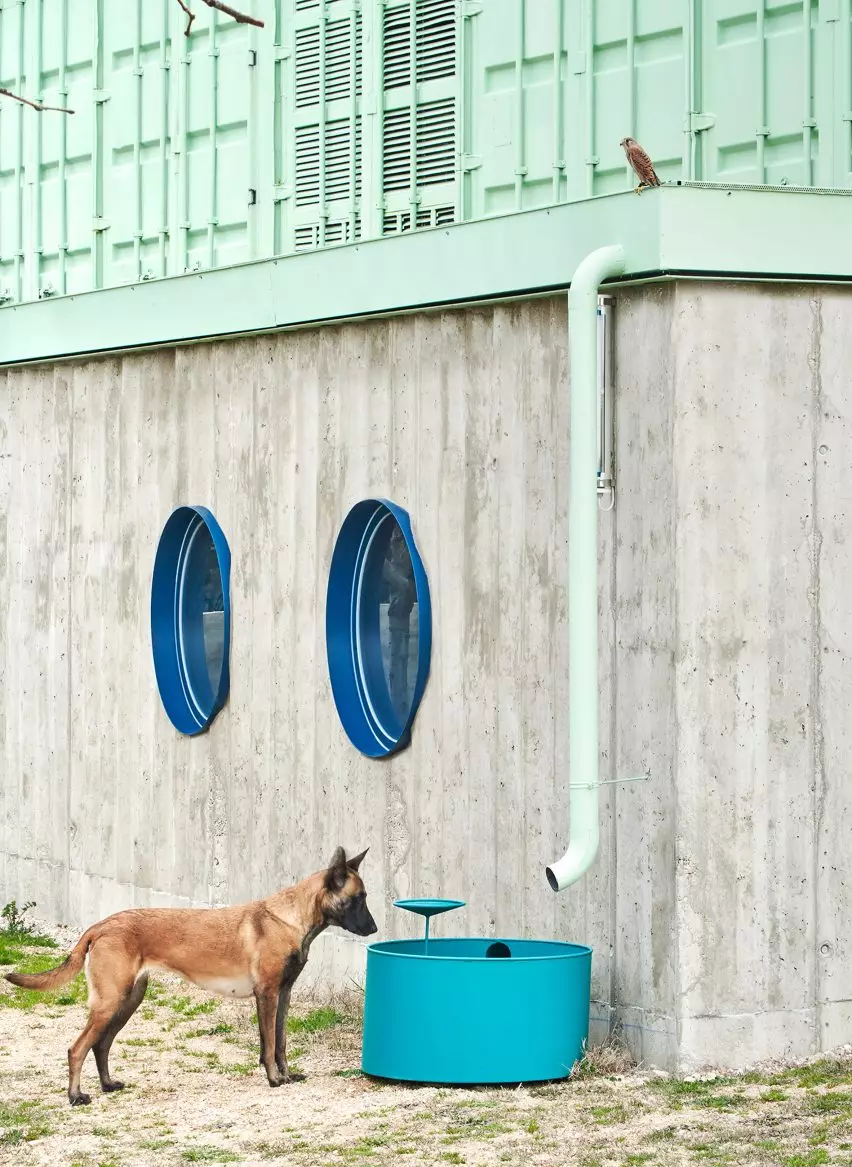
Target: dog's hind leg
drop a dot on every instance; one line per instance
(119, 1019)
(109, 989)
(101, 1013)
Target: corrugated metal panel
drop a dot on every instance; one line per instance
(347, 119)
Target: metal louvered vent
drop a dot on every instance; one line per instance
(307, 67)
(397, 224)
(306, 5)
(307, 166)
(340, 165)
(436, 142)
(397, 47)
(307, 237)
(338, 58)
(435, 43)
(435, 145)
(397, 149)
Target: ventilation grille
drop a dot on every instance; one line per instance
(434, 42)
(436, 145)
(396, 224)
(435, 48)
(397, 43)
(342, 162)
(307, 237)
(396, 158)
(338, 59)
(338, 62)
(307, 166)
(436, 142)
(340, 165)
(307, 67)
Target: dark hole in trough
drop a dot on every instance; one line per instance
(498, 948)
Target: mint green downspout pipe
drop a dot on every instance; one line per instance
(583, 568)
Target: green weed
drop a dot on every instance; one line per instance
(17, 927)
(316, 1021)
(209, 1154)
(22, 1123)
(809, 1159)
(187, 1008)
(609, 1115)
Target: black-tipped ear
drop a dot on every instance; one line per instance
(335, 877)
(358, 860)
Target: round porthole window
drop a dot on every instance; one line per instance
(191, 618)
(378, 627)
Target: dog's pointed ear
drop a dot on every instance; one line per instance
(335, 877)
(358, 860)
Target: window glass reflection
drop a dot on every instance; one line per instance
(202, 619)
(398, 623)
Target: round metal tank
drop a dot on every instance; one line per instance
(475, 1011)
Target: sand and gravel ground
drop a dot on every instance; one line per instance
(195, 1094)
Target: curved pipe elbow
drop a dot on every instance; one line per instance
(591, 272)
(575, 862)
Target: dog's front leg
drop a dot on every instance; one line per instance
(281, 1031)
(267, 1006)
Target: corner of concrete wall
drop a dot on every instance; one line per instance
(762, 429)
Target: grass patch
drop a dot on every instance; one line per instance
(662, 1135)
(316, 1021)
(22, 1123)
(209, 1154)
(186, 1007)
(212, 1031)
(16, 926)
(609, 1115)
(832, 1102)
(809, 1159)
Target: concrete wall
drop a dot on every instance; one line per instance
(719, 882)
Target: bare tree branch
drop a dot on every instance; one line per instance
(34, 104)
(239, 17)
(190, 16)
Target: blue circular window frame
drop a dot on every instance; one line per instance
(351, 660)
(182, 710)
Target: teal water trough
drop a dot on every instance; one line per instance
(474, 1011)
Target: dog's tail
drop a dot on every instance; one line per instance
(62, 974)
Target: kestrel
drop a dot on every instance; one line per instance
(640, 163)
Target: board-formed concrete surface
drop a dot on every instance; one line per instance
(718, 908)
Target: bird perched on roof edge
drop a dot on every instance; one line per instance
(640, 163)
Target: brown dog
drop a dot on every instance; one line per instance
(256, 949)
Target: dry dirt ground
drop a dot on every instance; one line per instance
(195, 1094)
